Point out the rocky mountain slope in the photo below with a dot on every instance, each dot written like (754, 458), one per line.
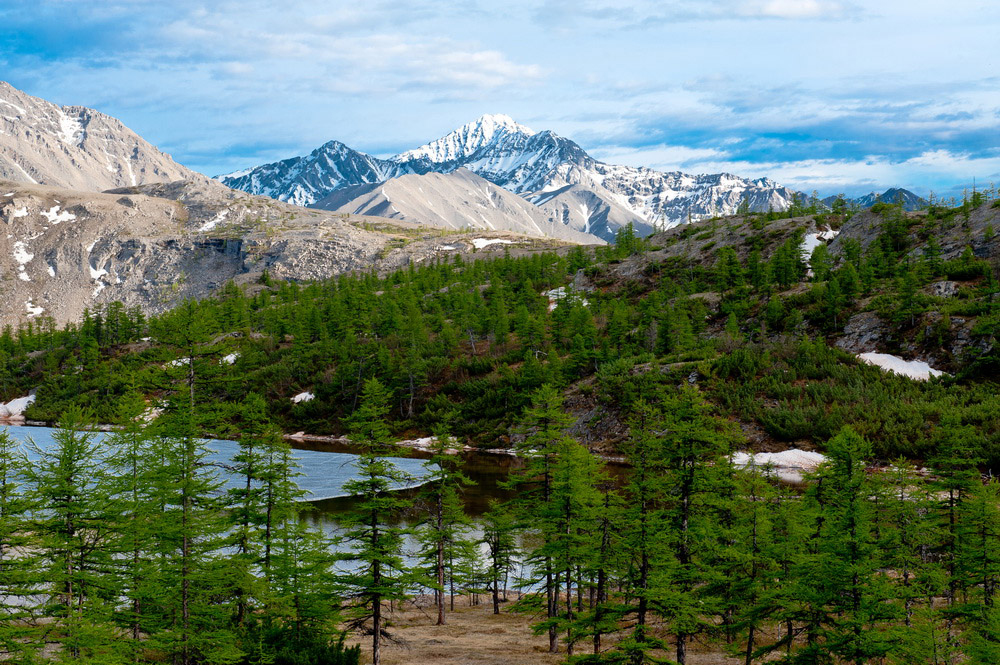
(152, 246)
(305, 180)
(459, 200)
(578, 207)
(540, 166)
(75, 147)
(948, 331)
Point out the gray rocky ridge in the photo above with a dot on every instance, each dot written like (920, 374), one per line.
(152, 246)
(75, 147)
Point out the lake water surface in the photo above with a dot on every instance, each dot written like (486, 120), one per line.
(323, 473)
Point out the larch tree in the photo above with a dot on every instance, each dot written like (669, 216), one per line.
(378, 572)
(446, 528)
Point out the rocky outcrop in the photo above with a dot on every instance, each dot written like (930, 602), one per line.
(978, 230)
(152, 246)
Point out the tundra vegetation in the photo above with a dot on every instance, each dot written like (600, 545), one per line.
(127, 549)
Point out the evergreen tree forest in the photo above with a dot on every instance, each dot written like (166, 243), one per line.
(130, 548)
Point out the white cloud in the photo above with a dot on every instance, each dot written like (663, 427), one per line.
(650, 13)
(796, 9)
(661, 158)
(857, 176)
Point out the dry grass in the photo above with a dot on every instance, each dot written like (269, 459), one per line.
(475, 636)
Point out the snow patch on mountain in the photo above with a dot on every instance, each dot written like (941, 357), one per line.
(914, 369)
(54, 216)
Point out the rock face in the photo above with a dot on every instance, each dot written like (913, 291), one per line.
(152, 246)
(459, 200)
(75, 147)
(305, 180)
(978, 231)
(579, 207)
(546, 169)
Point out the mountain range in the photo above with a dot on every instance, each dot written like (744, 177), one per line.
(552, 172)
(94, 214)
(893, 195)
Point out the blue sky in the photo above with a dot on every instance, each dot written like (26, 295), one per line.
(833, 95)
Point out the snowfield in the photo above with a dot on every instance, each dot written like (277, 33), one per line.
(813, 240)
(479, 243)
(560, 294)
(212, 223)
(14, 409)
(914, 369)
(788, 465)
(54, 216)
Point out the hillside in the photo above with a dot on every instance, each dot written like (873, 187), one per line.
(727, 305)
(152, 246)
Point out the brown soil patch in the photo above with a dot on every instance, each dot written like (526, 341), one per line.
(476, 636)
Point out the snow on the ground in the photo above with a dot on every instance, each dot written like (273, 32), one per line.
(32, 309)
(179, 362)
(915, 369)
(54, 216)
(16, 407)
(211, 224)
(446, 248)
(793, 458)
(52, 271)
(96, 273)
(21, 253)
(479, 243)
(69, 128)
(788, 465)
(812, 240)
(303, 397)
(230, 359)
(19, 212)
(22, 256)
(557, 295)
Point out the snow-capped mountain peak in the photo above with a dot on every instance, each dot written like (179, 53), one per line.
(467, 139)
(550, 171)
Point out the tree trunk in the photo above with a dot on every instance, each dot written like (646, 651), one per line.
(440, 555)
(569, 612)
